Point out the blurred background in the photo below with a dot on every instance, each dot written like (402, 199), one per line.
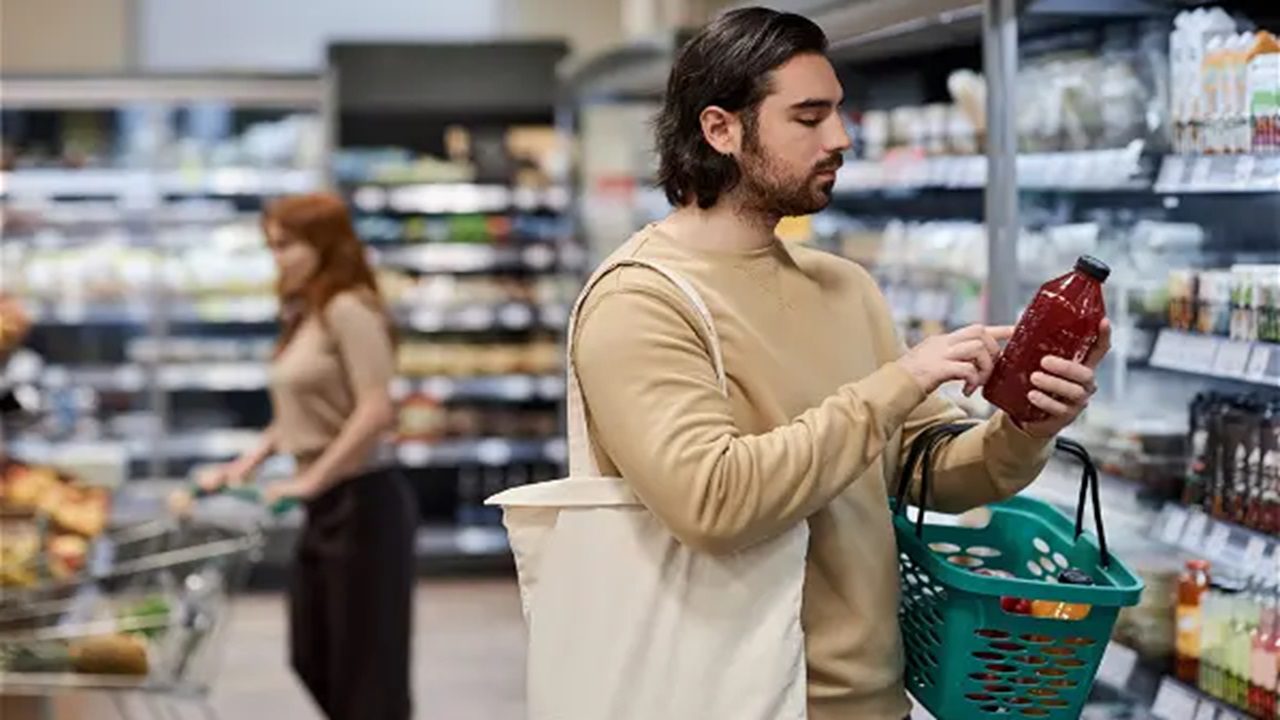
(492, 152)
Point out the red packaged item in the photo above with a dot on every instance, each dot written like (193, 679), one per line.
(1062, 320)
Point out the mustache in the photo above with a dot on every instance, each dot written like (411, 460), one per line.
(832, 164)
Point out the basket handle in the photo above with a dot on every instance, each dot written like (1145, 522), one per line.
(1088, 487)
(921, 454)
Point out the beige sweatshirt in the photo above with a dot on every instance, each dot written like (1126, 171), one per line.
(811, 429)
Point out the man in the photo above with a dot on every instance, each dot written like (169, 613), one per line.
(822, 396)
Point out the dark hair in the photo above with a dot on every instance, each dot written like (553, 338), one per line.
(727, 64)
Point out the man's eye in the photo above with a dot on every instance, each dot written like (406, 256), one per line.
(808, 122)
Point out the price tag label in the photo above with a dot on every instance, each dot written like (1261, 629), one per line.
(1217, 543)
(1259, 361)
(1163, 354)
(1174, 702)
(1206, 711)
(1171, 172)
(1201, 172)
(1174, 526)
(1117, 665)
(1245, 165)
(1193, 534)
(1232, 358)
(1254, 551)
(1202, 352)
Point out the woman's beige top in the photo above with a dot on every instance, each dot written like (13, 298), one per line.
(317, 380)
(812, 429)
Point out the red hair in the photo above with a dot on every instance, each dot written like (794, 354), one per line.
(322, 221)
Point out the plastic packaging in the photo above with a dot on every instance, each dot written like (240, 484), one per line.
(1192, 586)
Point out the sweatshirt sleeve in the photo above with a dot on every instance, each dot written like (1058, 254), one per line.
(655, 410)
(987, 463)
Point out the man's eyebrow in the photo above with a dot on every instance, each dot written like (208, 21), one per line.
(815, 104)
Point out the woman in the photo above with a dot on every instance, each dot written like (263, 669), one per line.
(350, 594)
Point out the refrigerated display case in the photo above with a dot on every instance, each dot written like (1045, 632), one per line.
(131, 238)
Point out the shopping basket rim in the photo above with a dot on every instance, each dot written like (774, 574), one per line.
(1123, 588)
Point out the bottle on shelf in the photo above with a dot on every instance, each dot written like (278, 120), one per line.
(1244, 621)
(1193, 584)
(1062, 320)
(1262, 658)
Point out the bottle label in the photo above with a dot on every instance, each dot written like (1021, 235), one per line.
(1188, 640)
(1264, 669)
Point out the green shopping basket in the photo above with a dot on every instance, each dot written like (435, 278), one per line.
(966, 655)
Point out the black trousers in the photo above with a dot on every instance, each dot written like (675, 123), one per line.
(350, 599)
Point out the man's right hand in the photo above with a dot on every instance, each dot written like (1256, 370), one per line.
(968, 355)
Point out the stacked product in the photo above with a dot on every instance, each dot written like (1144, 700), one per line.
(1225, 85)
(1242, 303)
(1228, 641)
(1234, 469)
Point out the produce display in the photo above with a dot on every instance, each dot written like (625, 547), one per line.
(47, 520)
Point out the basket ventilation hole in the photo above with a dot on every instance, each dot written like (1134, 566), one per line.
(1007, 647)
(993, 710)
(1035, 712)
(1036, 639)
(992, 634)
(1040, 545)
(984, 655)
(1058, 651)
(1063, 683)
(1079, 641)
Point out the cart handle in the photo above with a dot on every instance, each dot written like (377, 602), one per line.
(921, 454)
(247, 493)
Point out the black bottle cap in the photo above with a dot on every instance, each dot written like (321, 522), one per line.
(1074, 576)
(1093, 267)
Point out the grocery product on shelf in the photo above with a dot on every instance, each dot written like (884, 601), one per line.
(1234, 469)
(1193, 584)
(1189, 54)
(1263, 667)
(1062, 320)
(1263, 78)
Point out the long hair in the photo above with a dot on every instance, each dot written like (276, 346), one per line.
(728, 64)
(322, 221)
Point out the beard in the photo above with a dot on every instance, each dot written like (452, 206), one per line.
(768, 187)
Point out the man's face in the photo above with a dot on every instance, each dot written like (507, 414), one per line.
(789, 162)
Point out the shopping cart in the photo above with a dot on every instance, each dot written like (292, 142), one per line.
(145, 623)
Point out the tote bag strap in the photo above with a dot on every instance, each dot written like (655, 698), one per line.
(582, 462)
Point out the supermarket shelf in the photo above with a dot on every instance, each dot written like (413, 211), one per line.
(204, 445)
(1219, 174)
(461, 542)
(1218, 357)
(446, 258)
(457, 198)
(246, 311)
(480, 318)
(510, 388)
(133, 377)
(494, 452)
(1090, 171)
(124, 184)
(1225, 544)
(1165, 697)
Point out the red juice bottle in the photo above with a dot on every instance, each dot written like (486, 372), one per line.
(1061, 320)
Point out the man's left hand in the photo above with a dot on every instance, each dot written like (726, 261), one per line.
(1065, 387)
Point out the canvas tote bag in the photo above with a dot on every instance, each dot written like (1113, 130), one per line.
(624, 622)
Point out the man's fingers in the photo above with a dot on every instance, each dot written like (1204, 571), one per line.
(1058, 387)
(1001, 333)
(1075, 372)
(1102, 346)
(1048, 404)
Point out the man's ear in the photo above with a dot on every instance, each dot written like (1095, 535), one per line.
(721, 129)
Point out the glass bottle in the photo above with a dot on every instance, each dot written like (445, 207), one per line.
(1062, 320)
(1192, 586)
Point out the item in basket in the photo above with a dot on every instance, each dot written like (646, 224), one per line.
(45, 657)
(1059, 610)
(19, 556)
(944, 548)
(25, 485)
(110, 655)
(1193, 584)
(150, 615)
(965, 561)
(1062, 320)
(66, 556)
(81, 510)
(1015, 605)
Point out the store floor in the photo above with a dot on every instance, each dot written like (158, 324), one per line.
(468, 656)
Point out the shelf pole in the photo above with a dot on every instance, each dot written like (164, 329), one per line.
(1000, 65)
